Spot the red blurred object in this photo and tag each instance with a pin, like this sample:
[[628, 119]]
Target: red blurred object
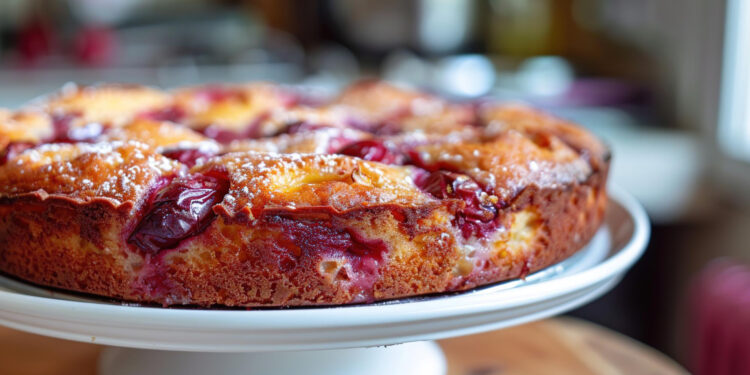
[[721, 320], [96, 45], [35, 40]]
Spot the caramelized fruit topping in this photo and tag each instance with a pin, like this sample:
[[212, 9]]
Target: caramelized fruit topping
[[181, 209], [301, 127], [310, 235], [171, 113], [62, 133], [12, 150], [479, 213], [67, 134], [300, 236], [223, 135], [188, 156], [218, 93], [371, 150]]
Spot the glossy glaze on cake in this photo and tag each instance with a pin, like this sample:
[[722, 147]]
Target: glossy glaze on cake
[[247, 195]]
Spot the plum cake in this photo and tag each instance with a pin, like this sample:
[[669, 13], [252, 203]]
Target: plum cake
[[254, 195]]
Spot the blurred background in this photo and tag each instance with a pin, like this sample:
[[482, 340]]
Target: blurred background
[[665, 82]]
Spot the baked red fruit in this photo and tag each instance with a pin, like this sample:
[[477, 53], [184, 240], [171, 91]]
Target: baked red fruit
[[477, 217], [247, 195], [372, 150], [179, 210]]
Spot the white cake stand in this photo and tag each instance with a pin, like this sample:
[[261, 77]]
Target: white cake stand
[[331, 340]]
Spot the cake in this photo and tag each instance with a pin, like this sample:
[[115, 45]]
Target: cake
[[253, 195]]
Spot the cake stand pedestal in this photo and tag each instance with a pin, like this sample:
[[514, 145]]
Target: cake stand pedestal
[[416, 358], [358, 339]]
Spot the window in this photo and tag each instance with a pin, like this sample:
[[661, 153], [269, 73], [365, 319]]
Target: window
[[734, 111]]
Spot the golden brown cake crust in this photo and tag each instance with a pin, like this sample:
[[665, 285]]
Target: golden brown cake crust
[[245, 196]]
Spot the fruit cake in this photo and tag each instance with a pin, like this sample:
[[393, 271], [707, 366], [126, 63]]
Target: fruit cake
[[253, 195]]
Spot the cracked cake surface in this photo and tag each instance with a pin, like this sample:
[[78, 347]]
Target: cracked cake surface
[[252, 195]]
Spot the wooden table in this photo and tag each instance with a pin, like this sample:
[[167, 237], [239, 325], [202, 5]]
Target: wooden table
[[553, 346]]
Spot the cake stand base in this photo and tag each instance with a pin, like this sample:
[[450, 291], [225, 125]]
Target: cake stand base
[[416, 358]]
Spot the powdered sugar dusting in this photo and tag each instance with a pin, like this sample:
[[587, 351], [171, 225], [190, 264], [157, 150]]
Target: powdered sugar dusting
[[289, 166], [121, 171], [263, 180]]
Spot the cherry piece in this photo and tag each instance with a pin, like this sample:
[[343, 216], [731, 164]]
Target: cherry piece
[[301, 127], [64, 133], [217, 93], [415, 158], [361, 125], [477, 201], [84, 133], [437, 184], [368, 256], [223, 135], [335, 142], [387, 128], [182, 209], [365, 247], [12, 150], [371, 150], [338, 142], [61, 125], [308, 235], [187, 156], [479, 213], [311, 235], [171, 113], [300, 236]]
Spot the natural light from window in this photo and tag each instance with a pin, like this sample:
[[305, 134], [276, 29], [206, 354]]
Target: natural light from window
[[734, 112]]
